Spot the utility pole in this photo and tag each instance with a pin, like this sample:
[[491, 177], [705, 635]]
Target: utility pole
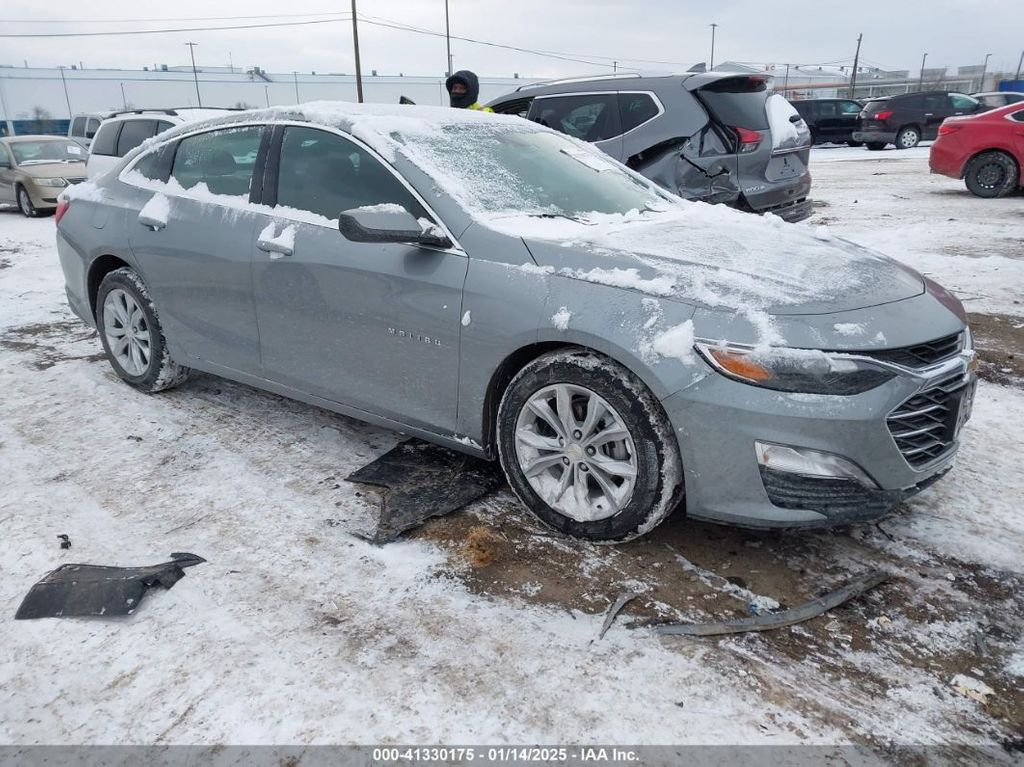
[[713, 28], [192, 53], [231, 62], [124, 99], [856, 60], [65, 83], [355, 44], [296, 76], [615, 67], [984, 68], [920, 82], [448, 38], [785, 82]]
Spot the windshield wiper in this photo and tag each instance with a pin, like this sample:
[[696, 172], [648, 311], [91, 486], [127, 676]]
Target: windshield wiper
[[577, 219]]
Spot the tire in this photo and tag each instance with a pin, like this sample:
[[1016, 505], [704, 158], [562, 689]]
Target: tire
[[123, 302], [875, 146], [608, 508], [25, 203], [908, 137], [856, 144], [992, 174]]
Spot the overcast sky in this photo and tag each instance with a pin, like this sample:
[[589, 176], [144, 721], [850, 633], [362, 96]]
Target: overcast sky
[[952, 32]]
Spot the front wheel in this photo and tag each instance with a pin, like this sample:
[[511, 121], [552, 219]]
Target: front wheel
[[991, 174], [25, 203], [587, 448], [129, 329], [908, 138]]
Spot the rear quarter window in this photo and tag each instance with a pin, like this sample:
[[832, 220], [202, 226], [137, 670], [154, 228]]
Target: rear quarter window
[[105, 142], [635, 109]]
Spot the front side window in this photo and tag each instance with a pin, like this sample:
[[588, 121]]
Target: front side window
[[961, 101], [223, 160], [134, 133], [635, 109], [589, 117], [323, 173], [849, 107]]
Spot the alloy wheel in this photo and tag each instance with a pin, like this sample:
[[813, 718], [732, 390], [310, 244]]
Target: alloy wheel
[[126, 331], [909, 139], [576, 452]]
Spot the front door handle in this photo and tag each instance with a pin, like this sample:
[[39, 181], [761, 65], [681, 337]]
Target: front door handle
[[281, 245]]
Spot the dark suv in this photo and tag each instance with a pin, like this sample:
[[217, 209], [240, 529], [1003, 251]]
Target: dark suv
[[909, 118], [716, 137], [830, 120]]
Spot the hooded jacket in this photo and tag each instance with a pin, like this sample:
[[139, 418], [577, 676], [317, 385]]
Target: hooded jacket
[[468, 100]]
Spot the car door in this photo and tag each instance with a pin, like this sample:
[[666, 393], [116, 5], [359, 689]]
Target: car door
[[6, 174], [849, 118], [937, 107], [196, 255], [369, 325], [592, 117]]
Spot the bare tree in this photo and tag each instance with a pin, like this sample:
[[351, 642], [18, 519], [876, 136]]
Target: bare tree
[[243, 105], [39, 113]]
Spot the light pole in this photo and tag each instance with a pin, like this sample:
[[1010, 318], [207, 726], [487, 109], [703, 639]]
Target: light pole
[[1020, 62], [984, 67], [448, 38], [192, 53], [64, 82], [355, 44], [920, 81], [296, 76], [713, 28]]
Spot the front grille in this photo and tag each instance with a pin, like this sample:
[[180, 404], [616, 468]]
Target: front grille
[[922, 355], [924, 426]]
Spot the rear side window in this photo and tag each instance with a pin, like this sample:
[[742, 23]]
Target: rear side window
[[913, 101], [849, 107], [223, 160], [635, 109], [738, 102], [134, 133], [826, 109], [587, 117], [78, 126], [961, 101], [326, 174], [105, 142]]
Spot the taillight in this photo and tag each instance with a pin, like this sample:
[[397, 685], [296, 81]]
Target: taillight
[[749, 139], [945, 130], [63, 203], [884, 115]]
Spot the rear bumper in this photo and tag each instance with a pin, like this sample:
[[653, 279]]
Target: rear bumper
[[875, 136], [792, 211], [946, 160], [786, 199]]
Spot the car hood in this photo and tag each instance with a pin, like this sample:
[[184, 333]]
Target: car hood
[[717, 258], [53, 170]]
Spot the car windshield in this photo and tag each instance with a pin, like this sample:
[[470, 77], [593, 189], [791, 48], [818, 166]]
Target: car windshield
[[37, 152], [495, 169]]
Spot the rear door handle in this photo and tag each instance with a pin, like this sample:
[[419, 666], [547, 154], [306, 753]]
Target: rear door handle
[[152, 223], [281, 245]]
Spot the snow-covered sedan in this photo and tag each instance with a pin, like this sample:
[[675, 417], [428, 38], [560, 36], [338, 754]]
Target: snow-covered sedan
[[511, 292]]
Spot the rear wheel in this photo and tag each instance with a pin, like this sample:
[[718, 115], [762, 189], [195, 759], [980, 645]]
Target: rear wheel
[[908, 137], [875, 146], [130, 331], [587, 447], [992, 174]]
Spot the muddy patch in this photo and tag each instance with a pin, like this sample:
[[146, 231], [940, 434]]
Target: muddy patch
[[999, 341], [46, 344]]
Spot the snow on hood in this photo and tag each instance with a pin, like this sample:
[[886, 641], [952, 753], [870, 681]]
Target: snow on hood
[[716, 257]]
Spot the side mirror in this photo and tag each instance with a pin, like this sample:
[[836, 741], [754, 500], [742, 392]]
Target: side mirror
[[388, 223]]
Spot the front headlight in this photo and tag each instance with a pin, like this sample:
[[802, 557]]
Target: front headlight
[[795, 370], [57, 182]]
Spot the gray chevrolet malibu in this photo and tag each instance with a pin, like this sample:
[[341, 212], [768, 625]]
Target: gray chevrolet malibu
[[504, 290]]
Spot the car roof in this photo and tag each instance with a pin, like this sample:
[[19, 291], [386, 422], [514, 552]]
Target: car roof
[[622, 82]]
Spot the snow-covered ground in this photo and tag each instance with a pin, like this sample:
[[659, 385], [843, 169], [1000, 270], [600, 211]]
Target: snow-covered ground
[[296, 631]]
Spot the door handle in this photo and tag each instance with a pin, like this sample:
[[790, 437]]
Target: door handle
[[269, 246], [282, 245], [929, 114], [155, 224]]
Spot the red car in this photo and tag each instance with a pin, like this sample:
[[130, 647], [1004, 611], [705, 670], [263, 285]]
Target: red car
[[986, 150]]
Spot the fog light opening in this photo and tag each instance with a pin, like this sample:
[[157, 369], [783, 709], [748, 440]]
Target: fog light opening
[[809, 463]]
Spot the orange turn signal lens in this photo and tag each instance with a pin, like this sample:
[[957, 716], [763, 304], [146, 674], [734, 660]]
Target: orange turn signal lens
[[741, 365]]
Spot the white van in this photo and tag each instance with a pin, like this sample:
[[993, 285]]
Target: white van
[[84, 126], [123, 131]]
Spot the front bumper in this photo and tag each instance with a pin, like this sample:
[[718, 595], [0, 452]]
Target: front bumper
[[718, 421], [875, 136]]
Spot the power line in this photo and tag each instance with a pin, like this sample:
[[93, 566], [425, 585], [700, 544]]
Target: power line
[[176, 29], [167, 18]]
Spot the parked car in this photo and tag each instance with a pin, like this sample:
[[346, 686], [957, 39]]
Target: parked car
[[910, 118], [35, 169], [501, 289], [995, 99], [830, 120], [83, 127], [123, 131], [985, 150], [710, 136]]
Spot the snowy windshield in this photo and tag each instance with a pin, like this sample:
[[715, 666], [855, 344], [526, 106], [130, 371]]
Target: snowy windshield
[[35, 152], [491, 169]]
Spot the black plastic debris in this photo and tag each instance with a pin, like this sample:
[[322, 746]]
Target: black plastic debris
[[419, 480], [769, 621], [65, 541], [75, 591]]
